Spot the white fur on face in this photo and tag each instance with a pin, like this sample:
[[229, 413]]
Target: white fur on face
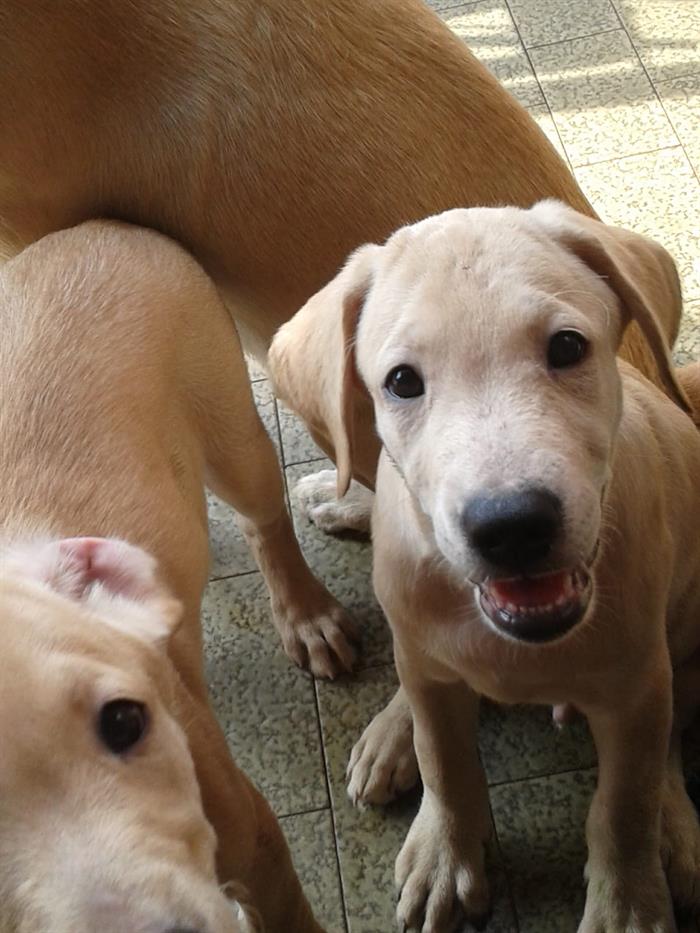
[[471, 305]]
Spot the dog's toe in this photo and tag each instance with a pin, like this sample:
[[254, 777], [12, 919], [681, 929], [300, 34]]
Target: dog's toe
[[382, 763], [325, 642]]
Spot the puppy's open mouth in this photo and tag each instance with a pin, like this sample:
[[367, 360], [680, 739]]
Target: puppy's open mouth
[[538, 608]]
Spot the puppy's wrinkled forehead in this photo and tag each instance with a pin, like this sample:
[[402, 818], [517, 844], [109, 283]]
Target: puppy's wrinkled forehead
[[471, 273]]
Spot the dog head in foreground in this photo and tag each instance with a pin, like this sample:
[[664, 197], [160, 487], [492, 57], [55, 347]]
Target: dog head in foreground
[[486, 339], [101, 822]]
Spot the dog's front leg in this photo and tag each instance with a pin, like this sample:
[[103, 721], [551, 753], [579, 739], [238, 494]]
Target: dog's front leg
[[440, 869], [627, 888]]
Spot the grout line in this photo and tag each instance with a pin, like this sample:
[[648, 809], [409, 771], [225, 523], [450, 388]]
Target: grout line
[[506, 874], [656, 93], [539, 85], [289, 816], [309, 460], [630, 155], [453, 6], [324, 759], [678, 77], [539, 777], [587, 35], [232, 576]]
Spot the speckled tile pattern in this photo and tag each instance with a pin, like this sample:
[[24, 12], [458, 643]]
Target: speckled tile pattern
[[687, 348], [621, 103], [488, 28], [601, 110], [656, 194], [666, 33], [540, 21], [540, 825], [266, 706], [519, 742], [312, 844], [297, 443], [681, 100]]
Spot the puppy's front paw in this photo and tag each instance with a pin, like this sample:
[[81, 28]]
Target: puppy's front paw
[[622, 902], [383, 763], [441, 880], [318, 634], [318, 501]]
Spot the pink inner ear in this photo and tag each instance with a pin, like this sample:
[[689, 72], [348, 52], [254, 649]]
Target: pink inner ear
[[120, 567]]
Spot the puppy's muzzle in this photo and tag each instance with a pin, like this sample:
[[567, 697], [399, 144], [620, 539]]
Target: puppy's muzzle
[[513, 532], [517, 535]]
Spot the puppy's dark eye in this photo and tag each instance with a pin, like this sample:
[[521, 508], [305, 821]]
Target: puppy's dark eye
[[121, 724], [566, 348], [404, 382]]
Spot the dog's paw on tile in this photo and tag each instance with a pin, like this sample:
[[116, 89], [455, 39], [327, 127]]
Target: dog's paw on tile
[[383, 762], [318, 502], [325, 640]]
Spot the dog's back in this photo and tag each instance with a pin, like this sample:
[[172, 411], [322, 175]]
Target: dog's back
[[102, 356]]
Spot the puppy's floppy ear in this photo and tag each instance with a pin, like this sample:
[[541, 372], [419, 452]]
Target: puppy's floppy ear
[[312, 359], [642, 275], [95, 570]]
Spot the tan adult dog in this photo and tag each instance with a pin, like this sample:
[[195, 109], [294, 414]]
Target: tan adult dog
[[271, 139], [122, 378], [535, 532]]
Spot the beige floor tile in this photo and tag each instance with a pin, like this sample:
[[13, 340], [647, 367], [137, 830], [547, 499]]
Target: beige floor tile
[[656, 194], [312, 844], [681, 100], [230, 553], [540, 827], [541, 21], [687, 348], [255, 370], [488, 29], [369, 840], [297, 444], [602, 102], [666, 34], [519, 742], [265, 705]]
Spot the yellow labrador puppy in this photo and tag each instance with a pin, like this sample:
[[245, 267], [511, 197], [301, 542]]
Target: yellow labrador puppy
[[120, 806], [535, 535], [270, 139]]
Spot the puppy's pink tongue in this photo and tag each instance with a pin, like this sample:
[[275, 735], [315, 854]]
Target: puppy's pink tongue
[[532, 591]]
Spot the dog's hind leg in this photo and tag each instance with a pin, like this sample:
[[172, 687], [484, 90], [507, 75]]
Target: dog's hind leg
[[242, 467]]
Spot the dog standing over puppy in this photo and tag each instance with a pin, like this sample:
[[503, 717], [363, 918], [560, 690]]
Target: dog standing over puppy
[[270, 139], [535, 533], [122, 381]]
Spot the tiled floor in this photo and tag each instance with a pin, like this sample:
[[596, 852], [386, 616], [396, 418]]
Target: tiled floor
[[616, 86]]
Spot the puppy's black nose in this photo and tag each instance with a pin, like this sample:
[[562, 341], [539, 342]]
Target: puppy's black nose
[[514, 531]]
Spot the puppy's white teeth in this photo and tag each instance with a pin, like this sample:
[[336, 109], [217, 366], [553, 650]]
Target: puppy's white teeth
[[511, 608]]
